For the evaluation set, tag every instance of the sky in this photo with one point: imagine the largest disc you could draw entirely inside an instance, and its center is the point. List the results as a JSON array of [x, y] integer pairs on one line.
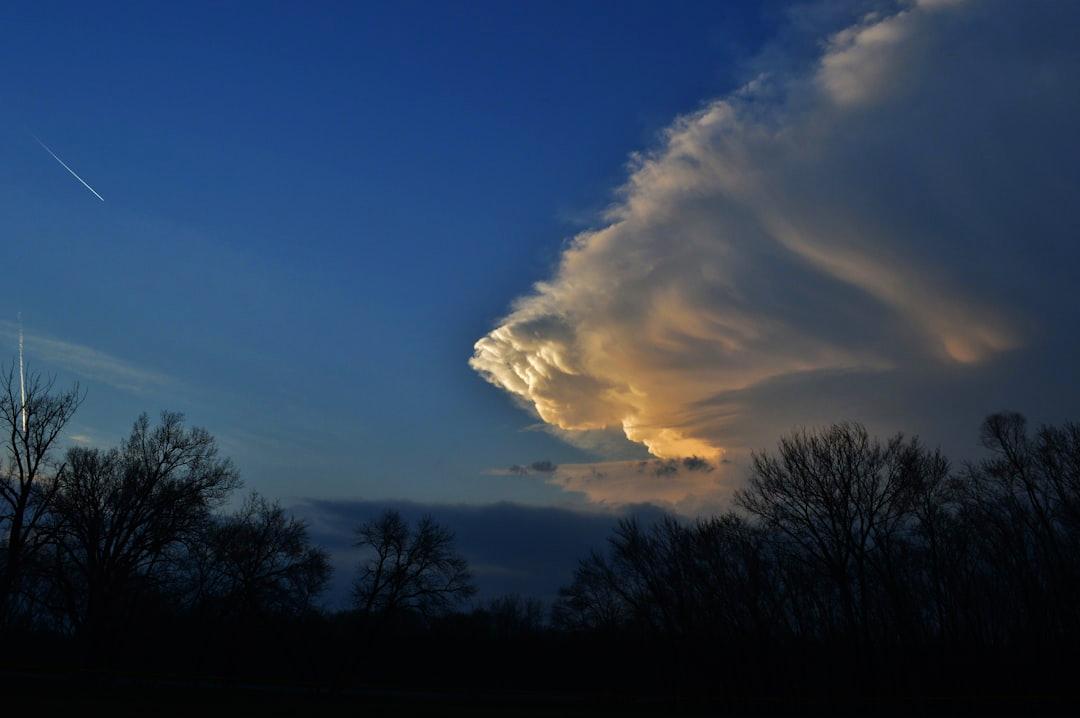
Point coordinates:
[[312, 214], [563, 256]]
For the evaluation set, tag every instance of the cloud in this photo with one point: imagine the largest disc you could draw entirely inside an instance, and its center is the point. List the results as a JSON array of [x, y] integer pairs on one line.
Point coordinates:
[[690, 485], [536, 467], [86, 361], [610, 442], [884, 233]]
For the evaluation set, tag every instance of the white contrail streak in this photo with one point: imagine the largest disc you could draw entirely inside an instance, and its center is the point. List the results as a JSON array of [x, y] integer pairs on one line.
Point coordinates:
[[22, 378], [73, 174]]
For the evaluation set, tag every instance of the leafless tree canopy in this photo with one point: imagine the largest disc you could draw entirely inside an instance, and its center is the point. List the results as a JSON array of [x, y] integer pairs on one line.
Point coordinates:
[[674, 579], [513, 615], [846, 564], [841, 537], [413, 568], [29, 473], [259, 561], [122, 516], [845, 502]]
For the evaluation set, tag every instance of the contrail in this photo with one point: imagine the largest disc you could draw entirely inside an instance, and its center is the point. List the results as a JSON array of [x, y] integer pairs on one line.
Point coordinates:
[[73, 174], [22, 376]]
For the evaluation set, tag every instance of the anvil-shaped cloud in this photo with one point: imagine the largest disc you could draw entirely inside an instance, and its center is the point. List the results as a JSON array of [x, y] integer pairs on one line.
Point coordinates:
[[901, 206]]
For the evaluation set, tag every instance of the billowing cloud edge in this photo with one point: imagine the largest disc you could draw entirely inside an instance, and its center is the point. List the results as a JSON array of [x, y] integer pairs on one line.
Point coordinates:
[[808, 225]]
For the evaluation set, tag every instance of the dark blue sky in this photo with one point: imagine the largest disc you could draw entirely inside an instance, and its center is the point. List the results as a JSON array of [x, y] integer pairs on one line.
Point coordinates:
[[312, 213], [326, 225], [683, 226]]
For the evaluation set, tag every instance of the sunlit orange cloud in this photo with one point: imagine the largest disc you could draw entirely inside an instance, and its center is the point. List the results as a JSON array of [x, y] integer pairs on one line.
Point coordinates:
[[814, 225]]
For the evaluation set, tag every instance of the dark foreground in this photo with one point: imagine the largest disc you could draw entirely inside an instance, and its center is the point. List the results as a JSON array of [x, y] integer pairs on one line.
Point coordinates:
[[132, 694], [854, 577]]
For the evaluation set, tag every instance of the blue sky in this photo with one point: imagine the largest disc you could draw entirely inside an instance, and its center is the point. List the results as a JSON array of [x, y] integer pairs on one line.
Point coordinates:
[[311, 215], [677, 229]]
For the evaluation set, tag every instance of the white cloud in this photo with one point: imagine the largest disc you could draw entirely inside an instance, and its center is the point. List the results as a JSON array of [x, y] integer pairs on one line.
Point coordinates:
[[894, 222]]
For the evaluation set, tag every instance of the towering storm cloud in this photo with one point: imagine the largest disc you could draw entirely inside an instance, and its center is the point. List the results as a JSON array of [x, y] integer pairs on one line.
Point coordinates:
[[889, 231]]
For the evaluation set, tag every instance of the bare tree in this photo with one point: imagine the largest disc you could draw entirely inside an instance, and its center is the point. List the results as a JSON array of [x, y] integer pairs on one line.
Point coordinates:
[[842, 501], [410, 568], [512, 615], [1026, 499], [712, 576], [259, 561], [123, 514], [32, 424], [596, 600]]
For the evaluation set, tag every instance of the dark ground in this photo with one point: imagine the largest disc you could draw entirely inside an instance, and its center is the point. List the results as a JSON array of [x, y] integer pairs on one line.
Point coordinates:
[[45, 693]]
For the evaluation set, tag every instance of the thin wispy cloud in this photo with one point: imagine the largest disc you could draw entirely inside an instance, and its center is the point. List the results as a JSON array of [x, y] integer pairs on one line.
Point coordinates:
[[830, 242], [87, 362]]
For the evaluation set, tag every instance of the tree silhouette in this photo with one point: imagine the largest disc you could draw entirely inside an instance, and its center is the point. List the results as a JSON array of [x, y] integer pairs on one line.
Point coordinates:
[[849, 568], [30, 427], [410, 568], [513, 615], [123, 516], [259, 561], [845, 503], [673, 579], [1025, 500]]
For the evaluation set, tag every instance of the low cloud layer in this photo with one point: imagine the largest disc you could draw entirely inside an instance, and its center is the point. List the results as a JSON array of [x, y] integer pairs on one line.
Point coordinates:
[[528, 550], [690, 485], [888, 234]]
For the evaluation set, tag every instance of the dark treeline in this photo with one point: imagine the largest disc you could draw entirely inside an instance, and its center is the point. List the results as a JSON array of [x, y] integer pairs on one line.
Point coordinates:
[[854, 567], [850, 571]]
